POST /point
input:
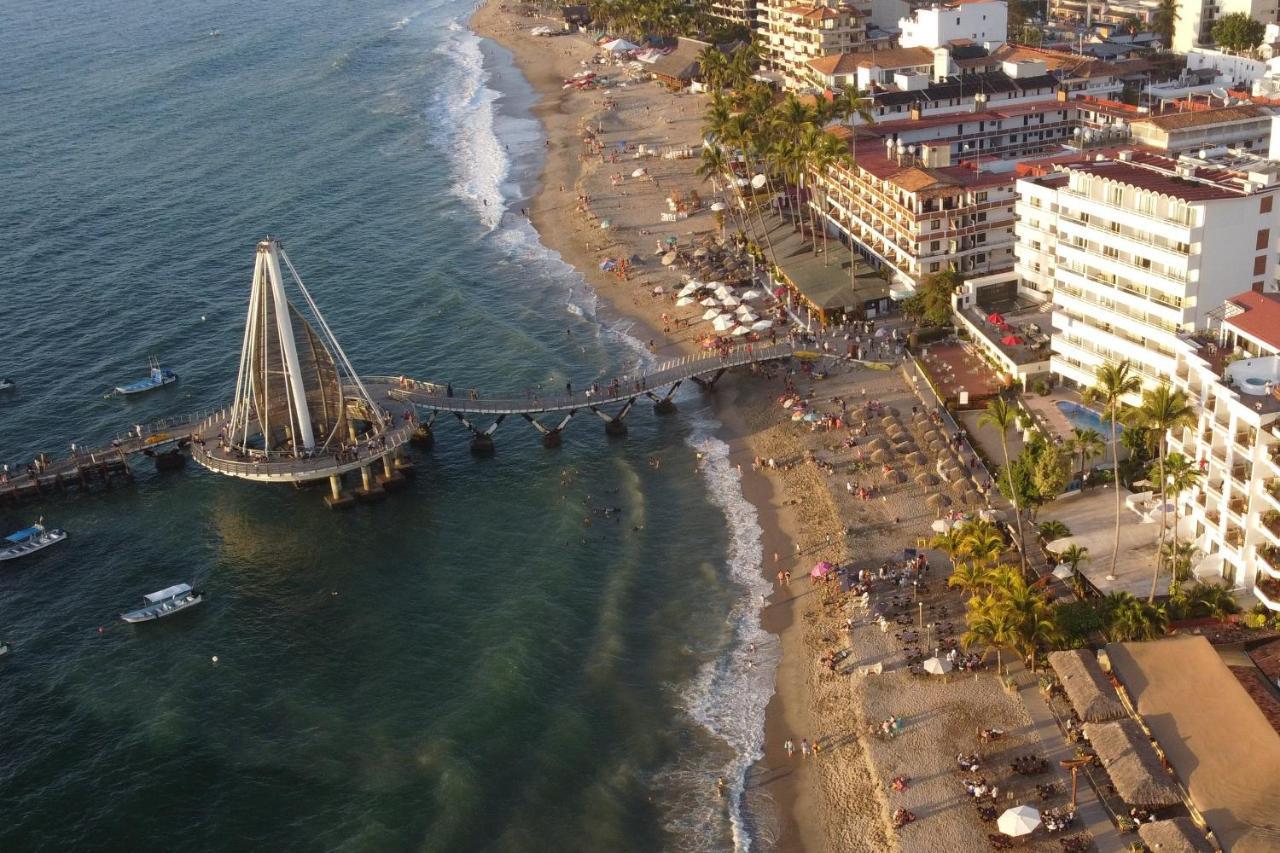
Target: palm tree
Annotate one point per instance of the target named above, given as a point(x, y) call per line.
point(1089, 444)
point(951, 543)
point(988, 624)
point(1163, 409)
point(982, 545)
point(1213, 600)
point(1030, 616)
point(826, 152)
point(970, 578)
point(1129, 619)
point(714, 65)
point(1165, 21)
point(1051, 530)
point(1112, 383)
point(1073, 555)
point(1180, 475)
point(1001, 416)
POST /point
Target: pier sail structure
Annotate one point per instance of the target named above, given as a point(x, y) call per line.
point(296, 393)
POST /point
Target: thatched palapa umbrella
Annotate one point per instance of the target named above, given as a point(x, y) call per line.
point(925, 479)
point(938, 501)
point(893, 475)
point(881, 456)
point(918, 458)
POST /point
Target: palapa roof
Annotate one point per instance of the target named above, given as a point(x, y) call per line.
point(1092, 696)
point(1178, 835)
point(1214, 735)
point(681, 63)
point(1132, 763)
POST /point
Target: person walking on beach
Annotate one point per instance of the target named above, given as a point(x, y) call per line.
point(804, 747)
point(790, 747)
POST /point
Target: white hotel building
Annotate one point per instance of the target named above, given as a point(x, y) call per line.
point(1144, 258)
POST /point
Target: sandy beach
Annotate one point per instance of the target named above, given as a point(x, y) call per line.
point(840, 798)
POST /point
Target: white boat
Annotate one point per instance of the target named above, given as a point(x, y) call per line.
point(165, 602)
point(160, 377)
point(6, 384)
point(4, 650)
point(28, 541)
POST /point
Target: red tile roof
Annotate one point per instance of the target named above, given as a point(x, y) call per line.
point(1261, 317)
point(1166, 183)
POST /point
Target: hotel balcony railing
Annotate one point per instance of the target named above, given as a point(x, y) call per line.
point(1267, 591)
point(1234, 537)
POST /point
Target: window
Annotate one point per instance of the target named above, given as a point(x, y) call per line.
point(1264, 237)
point(934, 267)
point(980, 197)
point(935, 224)
point(1260, 265)
point(1264, 203)
point(1115, 195)
point(935, 246)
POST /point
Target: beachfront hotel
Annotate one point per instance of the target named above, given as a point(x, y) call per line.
point(795, 34)
point(1138, 251)
point(743, 12)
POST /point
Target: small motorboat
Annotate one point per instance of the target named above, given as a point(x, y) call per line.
point(165, 602)
point(28, 541)
point(4, 650)
point(160, 376)
point(6, 384)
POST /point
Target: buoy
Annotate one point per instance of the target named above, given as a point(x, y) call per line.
point(201, 318)
point(101, 630)
point(215, 658)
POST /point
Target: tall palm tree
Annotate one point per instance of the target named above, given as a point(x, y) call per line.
point(1128, 619)
point(983, 546)
point(1073, 555)
point(714, 65)
point(1165, 21)
point(951, 543)
point(827, 151)
point(1112, 383)
point(1180, 474)
point(1088, 443)
point(1001, 416)
point(1053, 529)
point(1030, 617)
point(988, 624)
point(970, 577)
point(1162, 410)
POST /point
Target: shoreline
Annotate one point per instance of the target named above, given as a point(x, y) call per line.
point(775, 793)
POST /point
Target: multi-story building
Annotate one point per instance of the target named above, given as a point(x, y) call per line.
point(1243, 126)
point(1233, 515)
point(981, 22)
point(743, 12)
point(1096, 12)
point(1194, 27)
point(1139, 250)
point(794, 35)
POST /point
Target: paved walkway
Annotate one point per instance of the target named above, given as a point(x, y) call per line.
point(1092, 814)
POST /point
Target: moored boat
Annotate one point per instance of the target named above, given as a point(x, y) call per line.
point(6, 384)
point(165, 602)
point(160, 376)
point(28, 541)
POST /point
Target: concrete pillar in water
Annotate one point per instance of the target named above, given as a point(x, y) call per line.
point(552, 438)
point(371, 489)
point(615, 428)
point(390, 478)
point(666, 406)
point(337, 499)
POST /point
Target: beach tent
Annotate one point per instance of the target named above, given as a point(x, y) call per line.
point(619, 46)
point(750, 295)
point(689, 289)
point(740, 331)
point(717, 206)
point(761, 325)
point(709, 302)
point(937, 666)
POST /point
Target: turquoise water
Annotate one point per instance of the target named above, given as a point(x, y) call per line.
point(467, 666)
point(1082, 417)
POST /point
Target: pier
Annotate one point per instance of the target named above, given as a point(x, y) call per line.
point(302, 414)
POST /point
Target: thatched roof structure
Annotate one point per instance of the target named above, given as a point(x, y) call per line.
point(1132, 763)
point(1179, 835)
point(1092, 696)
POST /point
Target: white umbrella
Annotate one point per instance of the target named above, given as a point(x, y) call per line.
point(752, 294)
point(668, 259)
point(659, 290)
point(762, 325)
point(940, 526)
point(937, 666)
point(711, 314)
point(747, 316)
point(709, 302)
point(741, 330)
point(620, 46)
point(717, 206)
point(730, 301)
point(1018, 821)
point(742, 182)
point(759, 181)
point(638, 173)
point(683, 301)
point(606, 224)
point(1063, 572)
point(689, 289)
point(1057, 546)
point(723, 292)
point(722, 324)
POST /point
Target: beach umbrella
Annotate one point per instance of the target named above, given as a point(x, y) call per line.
point(937, 666)
point(904, 445)
point(1057, 546)
point(731, 301)
point(878, 443)
point(1011, 340)
point(740, 331)
point(895, 476)
point(761, 325)
point(709, 302)
point(717, 206)
point(638, 173)
point(880, 456)
point(938, 501)
point(918, 458)
point(606, 224)
point(752, 294)
point(924, 478)
point(940, 525)
point(973, 497)
point(1063, 573)
point(684, 300)
point(711, 314)
point(722, 323)
point(759, 181)
point(659, 290)
point(690, 288)
point(821, 570)
point(619, 46)
point(995, 318)
point(672, 239)
point(668, 259)
point(742, 182)
point(1018, 821)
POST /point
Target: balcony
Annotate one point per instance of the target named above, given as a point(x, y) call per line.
point(1267, 591)
point(1234, 537)
point(1238, 506)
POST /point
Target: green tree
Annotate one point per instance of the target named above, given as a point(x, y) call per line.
point(970, 578)
point(1163, 409)
point(983, 545)
point(930, 305)
point(1049, 476)
point(1112, 383)
point(1128, 619)
point(990, 625)
point(1211, 599)
point(1077, 622)
point(1165, 21)
point(1181, 474)
point(1073, 555)
point(1051, 530)
point(1030, 617)
point(1001, 416)
point(1089, 444)
point(1238, 32)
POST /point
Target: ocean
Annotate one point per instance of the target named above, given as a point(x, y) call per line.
point(545, 650)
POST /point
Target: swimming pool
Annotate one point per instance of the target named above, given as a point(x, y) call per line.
point(1082, 417)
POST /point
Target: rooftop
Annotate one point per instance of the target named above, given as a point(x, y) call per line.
point(1030, 325)
point(898, 57)
point(1205, 118)
point(1159, 174)
point(1258, 316)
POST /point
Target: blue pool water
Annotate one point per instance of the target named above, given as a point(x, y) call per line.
point(1083, 417)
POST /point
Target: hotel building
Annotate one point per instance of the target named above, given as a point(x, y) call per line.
point(794, 35)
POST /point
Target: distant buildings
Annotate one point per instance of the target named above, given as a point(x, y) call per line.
point(742, 12)
point(795, 34)
point(1194, 26)
point(1244, 126)
point(980, 22)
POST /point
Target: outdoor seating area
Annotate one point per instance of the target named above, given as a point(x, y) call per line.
point(1132, 764)
point(960, 374)
point(1091, 694)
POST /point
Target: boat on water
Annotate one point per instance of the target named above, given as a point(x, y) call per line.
point(160, 376)
point(165, 602)
point(6, 384)
point(4, 650)
point(29, 540)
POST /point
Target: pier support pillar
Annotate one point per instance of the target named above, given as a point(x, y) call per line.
point(552, 438)
point(370, 489)
point(665, 406)
point(337, 499)
point(423, 438)
point(391, 479)
point(404, 465)
point(482, 444)
point(709, 384)
point(615, 428)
